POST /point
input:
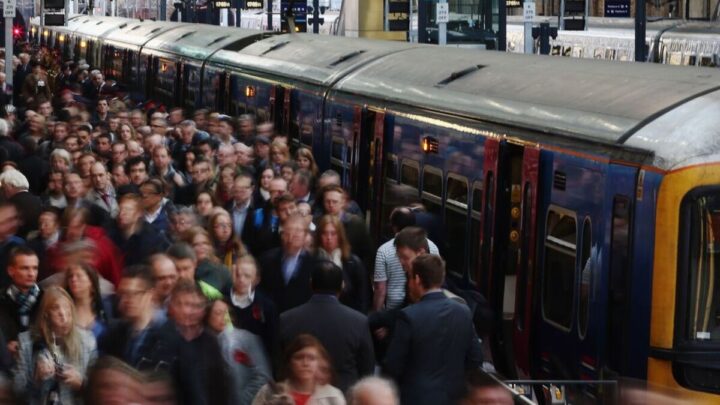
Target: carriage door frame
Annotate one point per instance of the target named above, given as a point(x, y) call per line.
point(367, 161)
point(280, 109)
point(522, 319)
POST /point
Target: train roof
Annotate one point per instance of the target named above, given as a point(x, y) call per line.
point(199, 41)
point(319, 59)
point(97, 26)
point(598, 101)
point(139, 32)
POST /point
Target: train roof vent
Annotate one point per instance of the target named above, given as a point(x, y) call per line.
point(559, 180)
point(187, 34)
point(346, 57)
point(122, 26)
point(275, 47)
point(459, 74)
point(154, 30)
point(216, 40)
point(98, 23)
point(135, 27)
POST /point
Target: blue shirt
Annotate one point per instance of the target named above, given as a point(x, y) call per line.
point(289, 266)
point(239, 214)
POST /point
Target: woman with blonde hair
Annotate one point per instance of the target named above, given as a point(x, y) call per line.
point(305, 160)
point(53, 356)
point(127, 132)
point(279, 154)
point(331, 243)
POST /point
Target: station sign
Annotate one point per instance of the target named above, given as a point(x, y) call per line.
point(398, 15)
point(514, 3)
point(617, 8)
point(254, 4)
point(9, 8)
point(218, 4)
point(442, 13)
point(529, 11)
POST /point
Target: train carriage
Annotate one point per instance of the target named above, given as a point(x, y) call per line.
point(582, 205)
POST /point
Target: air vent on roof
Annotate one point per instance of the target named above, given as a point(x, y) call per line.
point(134, 28)
point(346, 57)
point(154, 30)
point(559, 180)
point(98, 23)
point(216, 40)
point(122, 26)
point(187, 34)
point(459, 74)
point(275, 47)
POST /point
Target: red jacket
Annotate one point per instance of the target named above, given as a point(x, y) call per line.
point(106, 257)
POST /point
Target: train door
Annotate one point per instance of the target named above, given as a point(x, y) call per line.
point(280, 108)
point(522, 320)
point(367, 162)
point(501, 242)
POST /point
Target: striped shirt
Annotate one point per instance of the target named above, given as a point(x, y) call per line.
point(389, 269)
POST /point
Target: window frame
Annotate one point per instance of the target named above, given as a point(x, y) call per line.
point(563, 245)
point(582, 332)
point(477, 185)
point(414, 165)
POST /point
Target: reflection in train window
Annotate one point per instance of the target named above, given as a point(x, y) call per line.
point(455, 224)
point(558, 281)
point(432, 181)
point(337, 156)
point(586, 274)
point(475, 228)
point(409, 174)
point(391, 168)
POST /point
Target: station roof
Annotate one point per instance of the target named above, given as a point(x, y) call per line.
point(597, 101)
point(318, 59)
point(199, 41)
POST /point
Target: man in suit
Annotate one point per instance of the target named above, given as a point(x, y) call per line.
point(241, 204)
point(434, 341)
point(19, 303)
point(263, 232)
point(103, 193)
point(15, 187)
point(343, 331)
point(286, 270)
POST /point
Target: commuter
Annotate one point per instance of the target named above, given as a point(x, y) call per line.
point(332, 178)
point(244, 155)
point(33, 166)
point(301, 186)
point(244, 355)
point(165, 276)
point(156, 207)
point(136, 168)
point(205, 204)
point(373, 391)
point(242, 203)
point(54, 195)
point(103, 193)
point(261, 151)
point(112, 381)
point(246, 128)
point(92, 311)
point(482, 389)
point(263, 233)
point(202, 176)
point(301, 365)
point(202, 373)
point(342, 331)
point(334, 201)
point(305, 160)
point(286, 270)
point(287, 170)
point(434, 342)
point(19, 302)
point(163, 168)
point(16, 190)
point(227, 244)
point(212, 283)
point(332, 244)
point(75, 192)
point(226, 176)
point(181, 220)
point(47, 235)
point(53, 357)
point(262, 194)
point(14, 150)
point(225, 131)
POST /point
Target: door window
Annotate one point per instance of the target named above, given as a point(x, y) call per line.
point(559, 270)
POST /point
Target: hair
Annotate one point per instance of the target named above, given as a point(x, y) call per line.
point(299, 343)
point(330, 173)
point(181, 251)
point(373, 383)
point(343, 242)
point(401, 218)
point(141, 272)
point(245, 175)
point(4, 127)
point(282, 148)
point(21, 250)
point(103, 364)
point(304, 177)
point(158, 185)
point(285, 198)
point(184, 286)
point(133, 133)
point(62, 154)
point(42, 332)
point(307, 153)
point(430, 269)
point(326, 277)
point(134, 161)
point(413, 238)
point(213, 200)
point(15, 179)
point(248, 258)
point(97, 304)
point(130, 197)
point(234, 244)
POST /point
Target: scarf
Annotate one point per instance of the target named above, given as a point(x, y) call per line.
point(335, 256)
point(25, 301)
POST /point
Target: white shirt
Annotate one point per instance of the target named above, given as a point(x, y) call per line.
point(242, 301)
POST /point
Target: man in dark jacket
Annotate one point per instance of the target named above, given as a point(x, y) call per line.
point(286, 270)
point(15, 187)
point(434, 341)
point(343, 331)
point(19, 302)
point(137, 239)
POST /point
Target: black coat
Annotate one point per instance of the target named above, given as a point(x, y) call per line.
point(261, 232)
point(36, 169)
point(203, 378)
point(28, 206)
point(141, 245)
point(433, 345)
point(262, 319)
point(297, 291)
point(160, 346)
point(10, 319)
point(343, 332)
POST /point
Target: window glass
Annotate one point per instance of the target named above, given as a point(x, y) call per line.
point(586, 272)
point(457, 189)
point(619, 280)
point(432, 181)
point(391, 168)
point(409, 175)
point(338, 149)
point(455, 250)
point(703, 277)
point(559, 269)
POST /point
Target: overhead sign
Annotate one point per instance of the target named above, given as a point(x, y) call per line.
point(221, 4)
point(9, 8)
point(399, 15)
point(617, 8)
point(529, 11)
point(442, 15)
point(513, 3)
point(253, 4)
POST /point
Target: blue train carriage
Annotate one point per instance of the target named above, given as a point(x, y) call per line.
point(549, 195)
point(121, 53)
point(87, 37)
point(176, 60)
point(284, 79)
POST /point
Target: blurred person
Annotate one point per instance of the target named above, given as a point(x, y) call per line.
point(101, 113)
point(204, 204)
point(176, 116)
point(264, 232)
point(75, 192)
point(156, 207)
point(19, 302)
point(59, 133)
point(373, 391)
point(243, 353)
point(482, 389)
point(137, 118)
point(103, 143)
point(135, 238)
point(35, 86)
point(207, 148)
point(202, 176)
point(185, 142)
point(163, 167)
point(209, 267)
point(165, 275)
point(244, 155)
point(332, 178)
point(342, 331)
point(305, 160)
point(261, 151)
point(181, 221)
point(60, 159)
point(120, 178)
point(226, 177)
point(241, 205)
point(225, 131)
point(16, 190)
point(158, 126)
point(279, 154)
point(45, 109)
point(134, 149)
point(287, 269)
point(110, 381)
point(332, 244)
point(118, 154)
point(425, 374)
point(91, 310)
point(251, 309)
point(126, 133)
point(301, 186)
point(301, 365)
point(15, 151)
point(84, 136)
point(211, 283)
point(287, 170)
point(102, 193)
point(48, 235)
point(84, 164)
point(54, 356)
point(158, 388)
point(334, 202)
point(227, 244)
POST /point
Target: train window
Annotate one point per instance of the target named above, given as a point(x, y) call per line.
point(391, 166)
point(456, 215)
point(409, 174)
point(432, 181)
point(586, 274)
point(618, 280)
point(475, 227)
point(558, 282)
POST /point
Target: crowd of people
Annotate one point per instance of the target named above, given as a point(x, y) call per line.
point(160, 257)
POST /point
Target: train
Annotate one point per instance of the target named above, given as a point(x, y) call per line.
point(674, 42)
point(580, 197)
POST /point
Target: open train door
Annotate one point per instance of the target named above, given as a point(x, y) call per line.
point(526, 264)
point(367, 167)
